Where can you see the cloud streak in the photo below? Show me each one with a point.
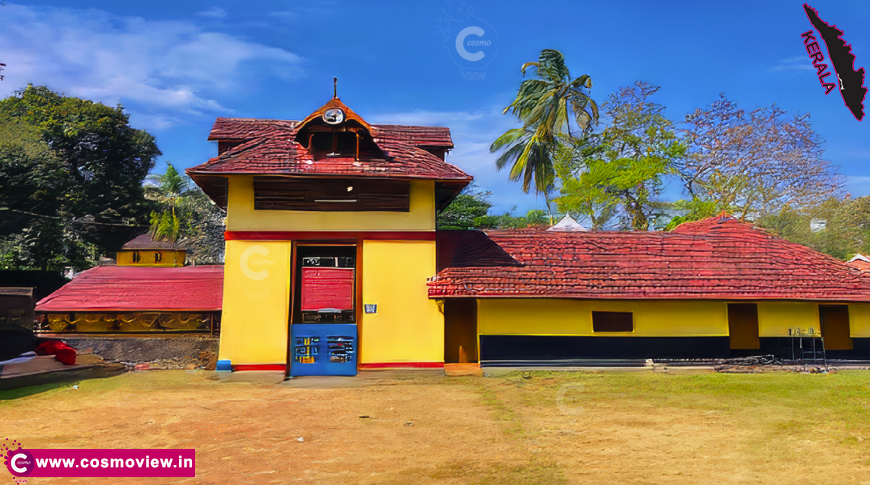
(162, 70)
(793, 64)
(214, 12)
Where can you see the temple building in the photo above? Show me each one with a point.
(330, 240)
(334, 264)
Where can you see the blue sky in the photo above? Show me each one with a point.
(175, 66)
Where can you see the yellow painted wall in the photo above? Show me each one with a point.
(652, 318)
(146, 258)
(241, 215)
(775, 318)
(859, 320)
(256, 302)
(408, 327)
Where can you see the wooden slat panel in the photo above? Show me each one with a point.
(272, 193)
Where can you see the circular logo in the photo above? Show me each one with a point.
(20, 463)
(333, 116)
(471, 42)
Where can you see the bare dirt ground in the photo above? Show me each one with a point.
(422, 427)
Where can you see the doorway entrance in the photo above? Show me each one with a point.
(834, 323)
(743, 326)
(323, 336)
(460, 331)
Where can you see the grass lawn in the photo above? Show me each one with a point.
(420, 427)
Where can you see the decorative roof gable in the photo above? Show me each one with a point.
(275, 147)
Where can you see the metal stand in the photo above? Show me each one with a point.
(808, 348)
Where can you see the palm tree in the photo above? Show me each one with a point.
(169, 185)
(167, 188)
(545, 105)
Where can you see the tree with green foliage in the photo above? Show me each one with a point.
(545, 105)
(533, 218)
(188, 216)
(465, 208)
(167, 188)
(623, 168)
(838, 227)
(104, 162)
(37, 229)
(470, 210)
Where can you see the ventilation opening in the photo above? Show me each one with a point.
(612, 322)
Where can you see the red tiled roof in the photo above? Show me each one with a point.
(459, 249)
(270, 147)
(717, 258)
(860, 262)
(244, 129)
(278, 153)
(419, 136)
(124, 288)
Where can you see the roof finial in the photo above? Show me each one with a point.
(335, 87)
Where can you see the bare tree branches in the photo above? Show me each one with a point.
(754, 163)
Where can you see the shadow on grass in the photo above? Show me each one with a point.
(19, 387)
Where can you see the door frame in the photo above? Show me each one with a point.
(357, 288)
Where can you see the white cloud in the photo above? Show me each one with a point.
(793, 64)
(214, 12)
(162, 70)
(473, 132)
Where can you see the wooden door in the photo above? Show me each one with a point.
(460, 330)
(834, 323)
(743, 325)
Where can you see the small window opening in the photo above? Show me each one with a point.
(612, 322)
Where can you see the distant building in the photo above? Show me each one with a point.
(144, 251)
(817, 225)
(567, 224)
(149, 291)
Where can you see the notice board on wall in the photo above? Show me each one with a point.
(327, 288)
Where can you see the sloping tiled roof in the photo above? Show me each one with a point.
(460, 249)
(717, 258)
(244, 129)
(145, 241)
(277, 152)
(124, 288)
(860, 262)
(419, 136)
(270, 147)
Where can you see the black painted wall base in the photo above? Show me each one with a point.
(542, 348)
